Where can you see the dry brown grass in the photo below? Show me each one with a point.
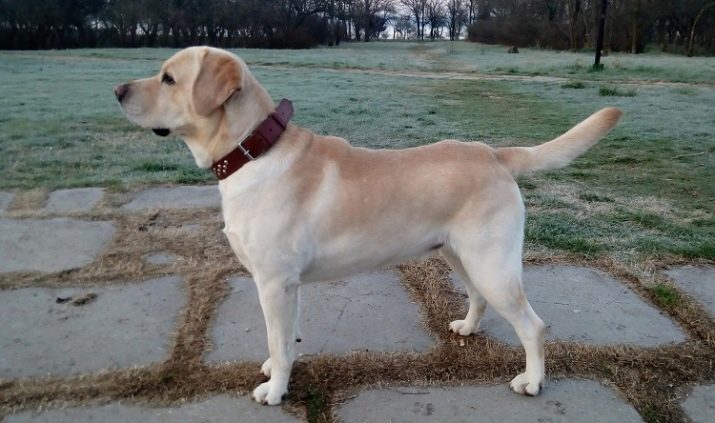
(29, 200)
(652, 379)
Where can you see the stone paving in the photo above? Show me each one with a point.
(700, 404)
(50, 245)
(76, 200)
(73, 330)
(698, 282)
(5, 201)
(175, 198)
(367, 312)
(584, 305)
(218, 409)
(67, 331)
(562, 401)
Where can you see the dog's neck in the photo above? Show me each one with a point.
(239, 117)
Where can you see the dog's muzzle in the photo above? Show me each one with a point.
(120, 91)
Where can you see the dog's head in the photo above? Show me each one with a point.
(191, 87)
(191, 96)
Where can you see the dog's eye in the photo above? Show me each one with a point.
(167, 79)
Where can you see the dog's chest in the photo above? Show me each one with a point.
(259, 225)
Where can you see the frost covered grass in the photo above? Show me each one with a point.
(61, 127)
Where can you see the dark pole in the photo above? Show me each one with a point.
(599, 40)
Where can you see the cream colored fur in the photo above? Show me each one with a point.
(315, 208)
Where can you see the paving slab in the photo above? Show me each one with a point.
(51, 245)
(93, 328)
(370, 312)
(73, 200)
(568, 401)
(5, 200)
(700, 404)
(175, 198)
(219, 409)
(698, 281)
(161, 257)
(585, 305)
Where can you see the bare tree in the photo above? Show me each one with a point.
(471, 12)
(404, 27)
(691, 39)
(435, 15)
(417, 8)
(373, 16)
(456, 17)
(574, 9)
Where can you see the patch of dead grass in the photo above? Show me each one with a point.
(577, 196)
(29, 200)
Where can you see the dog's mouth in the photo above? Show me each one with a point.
(162, 132)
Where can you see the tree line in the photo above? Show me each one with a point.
(40, 24)
(682, 26)
(677, 25)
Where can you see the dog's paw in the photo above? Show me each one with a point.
(267, 396)
(462, 327)
(266, 367)
(522, 385)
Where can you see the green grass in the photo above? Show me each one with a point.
(316, 404)
(577, 85)
(561, 231)
(665, 294)
(613, 91)
(592, 197)
(646, 190)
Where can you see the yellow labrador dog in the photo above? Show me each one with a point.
(314, 208)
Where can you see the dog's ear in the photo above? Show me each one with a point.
(219, 78)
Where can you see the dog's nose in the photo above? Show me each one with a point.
(121, 91)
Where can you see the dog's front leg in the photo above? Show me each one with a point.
(279, 301)
(266, 366)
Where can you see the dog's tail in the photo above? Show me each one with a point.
(562, 150)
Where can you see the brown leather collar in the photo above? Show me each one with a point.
(258, 142)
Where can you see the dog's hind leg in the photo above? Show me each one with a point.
(279, 301)
(492, 259)
(477, 303)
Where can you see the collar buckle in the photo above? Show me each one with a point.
(244, 150)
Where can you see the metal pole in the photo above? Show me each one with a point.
(599, 40)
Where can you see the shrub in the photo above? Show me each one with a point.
(613, 91)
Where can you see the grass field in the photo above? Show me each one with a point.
(646, 191)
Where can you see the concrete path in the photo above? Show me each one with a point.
(76, 200)
(700, 404)
(368, 312)
(50, 245)
(585, 305)
(698, 282)
(68, 331)
(5, 201)
(175, 198)
(219, 409)
(564, 401)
